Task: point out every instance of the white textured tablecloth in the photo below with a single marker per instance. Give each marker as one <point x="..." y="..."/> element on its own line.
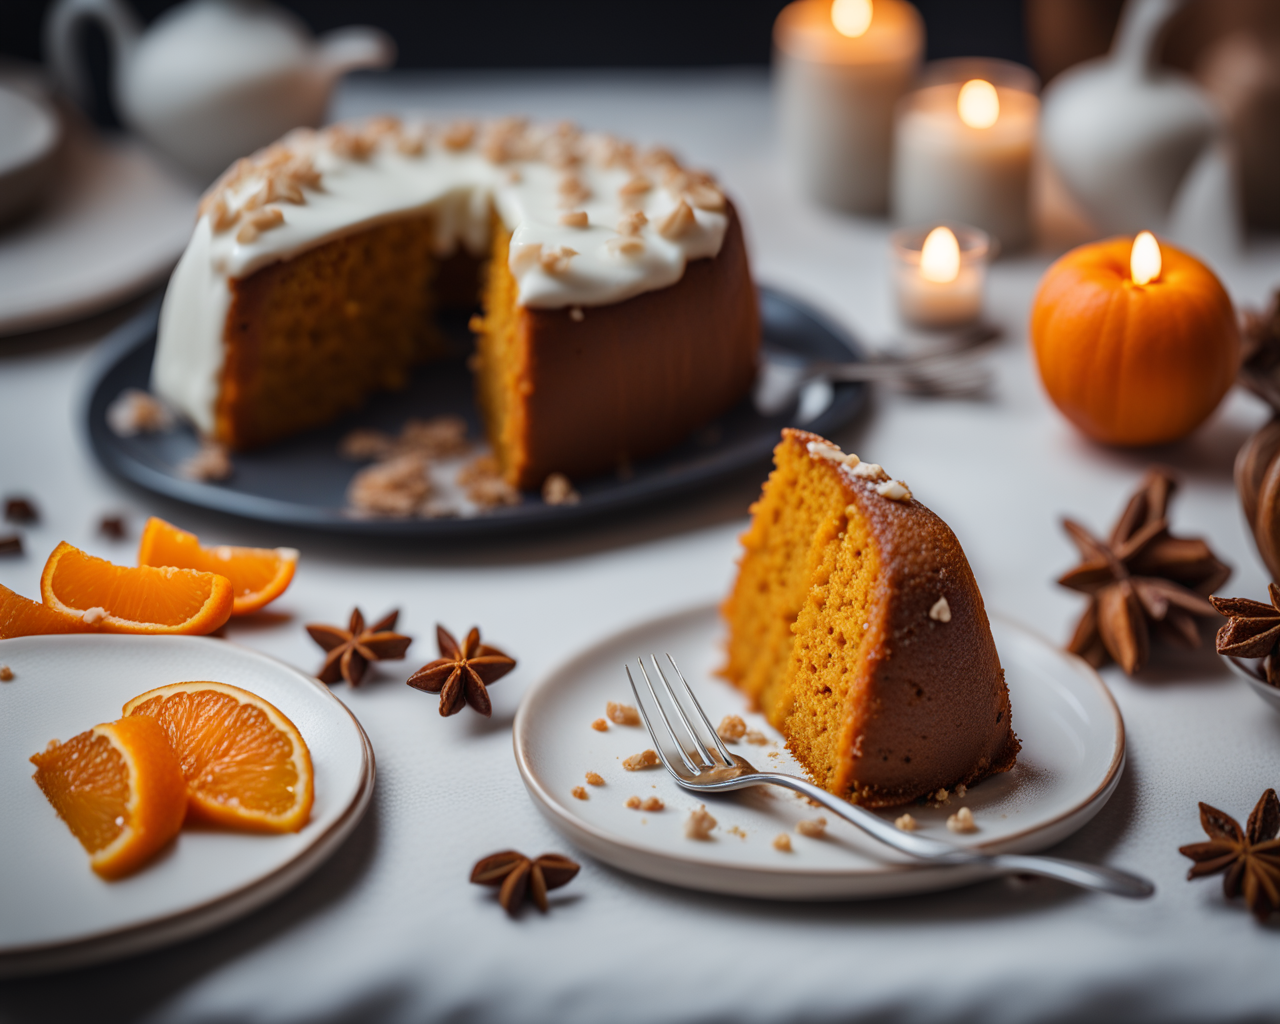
<point x="390" y="930"/>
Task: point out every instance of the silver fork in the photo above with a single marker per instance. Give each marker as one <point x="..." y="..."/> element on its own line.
<point x="710" y="768"/>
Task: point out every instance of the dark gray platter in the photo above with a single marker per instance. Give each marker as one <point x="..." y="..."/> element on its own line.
<point x="302" y="481"/>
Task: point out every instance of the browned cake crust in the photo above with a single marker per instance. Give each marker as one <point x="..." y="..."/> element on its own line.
<point x="631" y="379"/>
<point x="918" y="703"/>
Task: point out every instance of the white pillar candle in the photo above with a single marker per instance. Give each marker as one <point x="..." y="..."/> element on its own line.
<point x="840" y="67"/>
<point x="940" y="274"/>
<point x="963" y="148"/>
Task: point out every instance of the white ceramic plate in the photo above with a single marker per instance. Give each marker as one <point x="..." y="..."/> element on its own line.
<point x="1253" y="672"/>
<point x="1072" y="755"/>
<point x="54" y="911"/>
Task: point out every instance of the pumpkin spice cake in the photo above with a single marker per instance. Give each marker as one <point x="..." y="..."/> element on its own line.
<point x="618" y="312"/>
<point x="856" y="626"/>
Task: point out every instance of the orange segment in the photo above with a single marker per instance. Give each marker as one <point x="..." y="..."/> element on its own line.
<point x="121" y="599"/>
<point x="245" y="763"/>
<point x="258" y="575"/>
<point x="20" y="616"/>
<point x="120" y="790"/>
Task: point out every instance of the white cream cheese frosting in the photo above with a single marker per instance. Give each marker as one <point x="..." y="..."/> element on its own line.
<point x="593" y="221"/>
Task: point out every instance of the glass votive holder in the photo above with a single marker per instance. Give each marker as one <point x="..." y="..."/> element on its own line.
<point x="940" y="274"/>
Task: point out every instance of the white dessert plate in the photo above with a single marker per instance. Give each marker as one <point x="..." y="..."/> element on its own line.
<point x="1254" y="672"/>
<point x="1072" y="756"/>
<point x="55" y="912"/>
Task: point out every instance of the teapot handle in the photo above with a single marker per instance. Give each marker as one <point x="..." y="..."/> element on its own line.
<point x="60" y="31"/>
<point x="356" y="46"/>
<point x="1141" y="22"/>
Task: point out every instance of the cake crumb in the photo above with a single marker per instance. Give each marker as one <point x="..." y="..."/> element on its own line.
<point x="757" y="737"/>
<point x="92" y="616"/>
<point x="772" y="753"/>
<point x="6" y="674"/>
<point x="581" y="793"/>
<point x="112" y="527"/>
<point x="600" y="725"/>
<point x="905" y="823"/>
<point x="652" y="803"/>
<point x="493" y="492"/>
<point x="942" y="796"/>
<point x="135" y="412"/>
<point x="735" y="831"/>
<point x="633" y="802"/>
<point x="11" y="544"/>
<point x="576" y="314"/>
<point x="557" y="490"/>
<point x="397" y="488"/>
<point x="962" y="821"/>
<point x="595" y="779"/>
<point x="211" y="462"/>
<point x="363" y="443"/>
<point x="962" y="790"/>
<point x="622" y="714"/>
<point x="782" y="842"/>
<point x="894" y="490"/>
<point x="644" y="759"/>
<point x="699" y="824"/>
<point x="814" y="828"/>
<point x="21" y="510"/>
<point x="437" y="438"/>
<point x="941" y="611"/>
<point x="731" y="728"/>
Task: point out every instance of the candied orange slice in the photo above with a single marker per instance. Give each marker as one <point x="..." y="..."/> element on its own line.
<point x="245" y="763"/>
<point x="258" y="575"/>
<point x="122" y="599"/>
<point x="20" y="616"/>
<point x="119" y="788"/>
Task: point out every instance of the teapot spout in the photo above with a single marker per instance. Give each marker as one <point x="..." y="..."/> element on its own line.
<point x="351" y="48"/>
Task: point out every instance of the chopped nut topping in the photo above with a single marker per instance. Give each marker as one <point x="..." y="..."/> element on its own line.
<point x="576" y="314"/>
<point x="6" y="674"/>
<point x="632" y="223"/>
<point x="600" y="725"/>
<point x="352" y="145"/>
<point x="644" y="759"/>
<point x="731" y="728"/>
<point x="851" y="460"/>
<point x="962" y="821"/>
<point x="92" y="616"/>
<point x="412" y="143"/>
<point x="652" y="803"/>
<point x="870" y="471"/>
<point x="678" y="221"/>
<point x="258" y="222"/>
<point x="572" y="191"/>
<point x="825" y="451"/>
<point x="557" y="490"/>
<point x="622" y="714"/>
<point x="625" y="246"/>
<point x="814" y="828"/>
<point x="396" y="488"/>
<point x="211" y="462"/>
<point x="905" y="823"/>
<point x="556" y="261"/>
<point x="699" y="824"/>
<point x="221" y="217"/>
<point x="636" y="185"/>
<point x="942" y="796"/>
<point x="705" y="197"/>
<point x="525" y="255"/>
<point x="135" y="411"/>
<point x="574" y="219"/>
<point x="894" y="490"/>
<point x="961" y="790"/>
<point x="459" y="135"/>
<point x="580" y="793"/>
<point x="940" y="612"/>
<point x="782" y="842"/>
<point x="757" y="737"/>
<point x="594" y="779"/>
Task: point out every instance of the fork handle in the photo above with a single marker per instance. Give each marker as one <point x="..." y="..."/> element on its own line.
<point x="938" y="851"/>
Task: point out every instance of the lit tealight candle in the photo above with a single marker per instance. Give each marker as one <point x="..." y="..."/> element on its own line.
<point x="939" y="276"/>
<point x="841" y="66"/>
<point x="963" y="147"/>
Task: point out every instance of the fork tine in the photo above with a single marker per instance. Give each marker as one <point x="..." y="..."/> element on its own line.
<point x="715" y="736"/>
<point x="698" y="742"/>
<point x="653" y="734"/>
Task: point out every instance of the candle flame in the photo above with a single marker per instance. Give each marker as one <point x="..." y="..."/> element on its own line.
<point x="979" y="104"/>
<point x="1144" y="258"/>
<point x="940" y="257"/>
<point x="851" y="17"/>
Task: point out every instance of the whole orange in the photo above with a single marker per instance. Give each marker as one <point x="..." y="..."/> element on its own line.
<point x="1134" y="364"/>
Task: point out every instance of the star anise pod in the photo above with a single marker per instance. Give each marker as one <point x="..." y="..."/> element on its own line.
<point x="1250" y="857"/>
<point x="462" y="672"/>
<point x="1141" y="580"/>
<point x="351" y="649"/>
<point x="518" y="875"/>
<point x="1252" y="630"/>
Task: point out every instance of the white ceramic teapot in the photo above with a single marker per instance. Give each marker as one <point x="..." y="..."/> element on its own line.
<point x="213" y="80"/>
<point x="1132" y="140"/>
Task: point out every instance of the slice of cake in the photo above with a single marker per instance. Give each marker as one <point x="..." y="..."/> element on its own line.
<point x="855" y="624"/>
<point x="618" y="309"/>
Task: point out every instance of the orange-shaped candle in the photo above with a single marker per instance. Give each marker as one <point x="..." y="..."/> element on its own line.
<point x="1136" y="340"/>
